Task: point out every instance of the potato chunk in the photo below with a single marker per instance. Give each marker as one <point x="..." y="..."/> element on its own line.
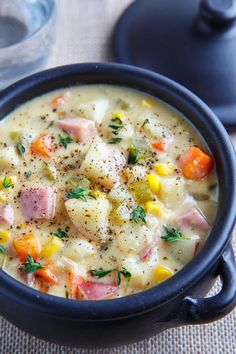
<point x="8" y="157"/>
<point x="172" y="192"/>
<point x="99" y="164"/>
<point x="90" y="218"/>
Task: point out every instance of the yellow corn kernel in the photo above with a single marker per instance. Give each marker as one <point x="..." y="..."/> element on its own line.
<point x="153" y="183"/>
<point x="11" y="180"/>
<point x="119" y="115"/>
<point x="51" y="247"/>
<point x="97" y="193"/>
<point x="154" y="208"/>
<point x="4" y="236"/>
<point x="162" y="273"/>
<point x="3" y="197"/>
<point x="148" y="103"/>
<point x="164" y="169"/>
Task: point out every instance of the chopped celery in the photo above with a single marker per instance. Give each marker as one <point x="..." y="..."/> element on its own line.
<point x="141" y="192"/>
<point x="123" y="104"/>
<point x="50" y="171"/>
<point x="16" y="136"/>
<point x="120" y="213"/>
<point x="76" y="181"/>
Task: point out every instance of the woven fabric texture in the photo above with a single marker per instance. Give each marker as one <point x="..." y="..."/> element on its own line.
<point x="84" y="35"/>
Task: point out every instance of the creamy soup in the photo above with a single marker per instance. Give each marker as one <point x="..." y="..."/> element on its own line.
<point x="104" y="192"/>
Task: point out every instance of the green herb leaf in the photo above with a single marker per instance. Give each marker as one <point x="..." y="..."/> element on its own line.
<point x="67" y="293"/>
<point x="145" y="122"/>
<point x="50" y="124"/>
<point x="2" y="249"/>
<point x="21" y="149"/>
<point x="28" y="174"/>
<point x="100" y="273"/>
<point x="31" y="266"/>
<point x="7" y="183"/>
<point x="80" y="193"/>
<point x="116" y="124"/>
<point x="114" y="140"/>
<point x="138" y="215"/>
<point x="126" y="273"/>
<point x="172" y="234"/>
<point x="118" y="277"/>
<point x="61" y="234"/>
<point x="133" y="156"/>
<point x="65" y="140"/>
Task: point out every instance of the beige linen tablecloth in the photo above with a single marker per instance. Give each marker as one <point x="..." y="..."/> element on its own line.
<point x="84" y="34"/>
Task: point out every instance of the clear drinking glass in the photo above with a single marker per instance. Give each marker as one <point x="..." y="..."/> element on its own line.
<point x="27" y="32"/>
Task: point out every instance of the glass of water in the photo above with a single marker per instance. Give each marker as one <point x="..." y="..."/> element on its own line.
<point x="27" y="32"/>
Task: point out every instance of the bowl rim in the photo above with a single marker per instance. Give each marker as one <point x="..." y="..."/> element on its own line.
<point x="190" y="274"/>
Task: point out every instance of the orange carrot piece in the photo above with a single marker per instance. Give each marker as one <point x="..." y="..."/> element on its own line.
<point x="59" y="100"/>
<point x="48" y="275"/>
<point x="161" y="144"/>
<point x="43" y="146"/>
<point x="73" y="280"/>
<point x="27" y="245"/>
<point x="195" y="164"/>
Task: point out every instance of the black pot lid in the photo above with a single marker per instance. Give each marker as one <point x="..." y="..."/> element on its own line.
<point x="192" y="42"/>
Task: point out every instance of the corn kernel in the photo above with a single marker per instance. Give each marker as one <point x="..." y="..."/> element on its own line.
<point x="153" y="183"/>
<point x="51" y="247"/>
<point x="9" y="180"/>
<point x="4" y="236"/>
<point x="164" y="169"/>
<point x="162" y="273"/>
<point x="97" y="193"/>
<point x="119" y="115"/>
<point x="3" y="197"/>
<point x="154" y="208"/>
<point x="148" y="103"/>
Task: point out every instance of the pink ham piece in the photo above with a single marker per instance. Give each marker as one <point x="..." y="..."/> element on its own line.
<point x="97" y="291"/>
<point x="38" y="203"/>
<point x="7" y="215"/>
<point x="81" y="129"/>
<point x="146" y="253"/>
<point x="193" y="218"/>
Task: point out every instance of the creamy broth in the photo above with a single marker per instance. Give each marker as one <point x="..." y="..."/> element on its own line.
<point x="135" y="192"/>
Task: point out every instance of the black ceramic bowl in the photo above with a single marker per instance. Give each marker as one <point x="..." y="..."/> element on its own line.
<point x="176" y="302"/>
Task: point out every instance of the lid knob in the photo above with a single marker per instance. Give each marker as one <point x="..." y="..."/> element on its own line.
<point x="218" y="12"/>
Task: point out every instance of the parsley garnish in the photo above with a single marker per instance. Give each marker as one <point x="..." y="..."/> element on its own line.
<point x="145" y="122"/>
<point x="21" y="149"/>
<point x="116" y="124"/>
<point x="28" y="174"/>
<point x="114" y="140"/>
<point x="31" y="266"/>
<point x="67" y="293"/>
<point x="7" y="183"/>
<point x="133" y="155"/>
<point x="2" y="249"/>
<point x="61" y="234"/>
<point x="99" y="273"/>
<point x="172" y="234"/>
<point x="50" y="124"/>
<point x="65" y="140"/>
<point x="80" y="193"/>
<point x="138" y="215"/>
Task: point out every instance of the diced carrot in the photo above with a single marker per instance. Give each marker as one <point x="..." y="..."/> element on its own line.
<point x="27" y="245"/>
<point x="43" y="146"/>
<point x="161" y="144"/>
<point x="48" y="275"/>
<point x="195" y="164"/>
<point x="59" y="100"/>
<point x="73" y="280"/>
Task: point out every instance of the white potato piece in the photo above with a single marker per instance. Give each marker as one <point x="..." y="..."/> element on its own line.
<point x="96" y="109"/>
<point x="79" y="250"/>
<point x="119" y="194"/>
<point x="90" y="218"/>
<point x="141" y="272"/>
<point x="8" y="157"/>
<point x="172" y="192"/>
<point x="184" y="250"/>
<point x="99" y="164"/>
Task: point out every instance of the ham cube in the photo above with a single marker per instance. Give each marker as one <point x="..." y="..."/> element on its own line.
<point x="38" y="203"/>
<point x="7" y="215"/>
<point x="81" y="129"/>
<point x="193" y="218"/>
<point x="97" y="291"/>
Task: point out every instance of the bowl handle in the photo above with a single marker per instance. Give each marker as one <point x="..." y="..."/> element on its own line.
<point x="209" y="309"/>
